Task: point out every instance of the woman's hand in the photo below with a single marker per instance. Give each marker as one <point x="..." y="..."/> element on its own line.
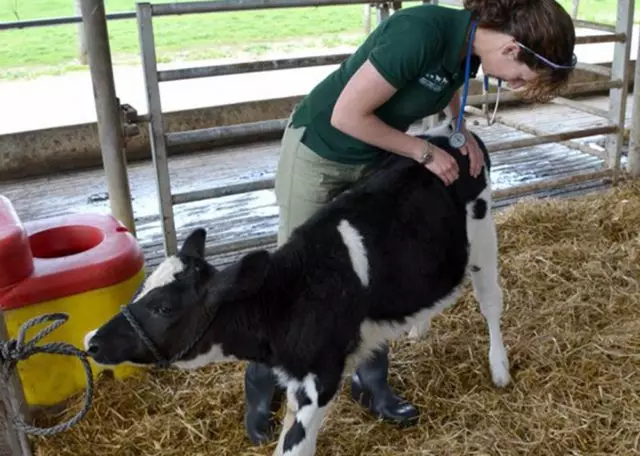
<point x="472" y="149"/>
<point x="442" y="165"/>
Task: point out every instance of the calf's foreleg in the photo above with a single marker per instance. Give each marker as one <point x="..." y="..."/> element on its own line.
<point x="307" y="405"/>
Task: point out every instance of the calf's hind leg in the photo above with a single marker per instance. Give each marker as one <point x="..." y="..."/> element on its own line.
<point x="484" y="276"/>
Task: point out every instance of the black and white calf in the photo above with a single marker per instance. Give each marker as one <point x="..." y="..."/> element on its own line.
<point x="386" y="255"/>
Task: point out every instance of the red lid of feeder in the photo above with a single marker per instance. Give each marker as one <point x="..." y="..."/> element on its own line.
<point x="74" y="254"/>
<point x="15" y="255"/>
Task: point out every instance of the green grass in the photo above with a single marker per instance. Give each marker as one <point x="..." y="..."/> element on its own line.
<point x="53" y="50"/>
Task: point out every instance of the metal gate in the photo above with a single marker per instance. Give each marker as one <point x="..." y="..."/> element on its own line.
<point x="161" y="140"/>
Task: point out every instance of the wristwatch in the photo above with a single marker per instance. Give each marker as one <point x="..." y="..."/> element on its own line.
<point x="427" y="155"/>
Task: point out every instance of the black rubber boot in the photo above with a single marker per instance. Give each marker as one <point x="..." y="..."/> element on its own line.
<point x="263" y="398"/>
<point x="369" y="387"/>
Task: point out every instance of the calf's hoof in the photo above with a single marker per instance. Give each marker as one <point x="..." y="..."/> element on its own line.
<point x="499" y="365"/>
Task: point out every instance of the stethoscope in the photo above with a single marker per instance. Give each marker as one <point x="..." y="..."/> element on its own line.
<point x="457" y="139"/>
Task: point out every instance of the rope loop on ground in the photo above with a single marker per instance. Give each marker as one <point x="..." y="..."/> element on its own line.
<point x="15" y="350"/>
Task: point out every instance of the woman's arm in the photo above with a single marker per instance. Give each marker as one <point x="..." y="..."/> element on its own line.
<point x="354" y="114"/>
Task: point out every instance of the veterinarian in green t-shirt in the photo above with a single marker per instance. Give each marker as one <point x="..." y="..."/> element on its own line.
<point x="411" y="66"/>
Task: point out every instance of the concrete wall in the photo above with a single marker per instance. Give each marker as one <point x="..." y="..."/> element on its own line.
<point x="73" y="147"/>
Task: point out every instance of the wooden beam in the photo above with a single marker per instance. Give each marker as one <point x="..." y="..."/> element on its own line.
<point x="13" y="442"/>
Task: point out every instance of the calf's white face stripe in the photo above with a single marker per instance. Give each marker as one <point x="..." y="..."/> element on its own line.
<point x="353" y="240"/>
<point x="87" y="338"/>
<point x="162" y="275"/>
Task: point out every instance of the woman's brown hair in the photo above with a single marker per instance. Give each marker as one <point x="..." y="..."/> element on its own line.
<point x="544" y="27"/>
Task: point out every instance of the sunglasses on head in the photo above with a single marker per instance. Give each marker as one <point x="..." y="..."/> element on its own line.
<point x="555" y="66"/>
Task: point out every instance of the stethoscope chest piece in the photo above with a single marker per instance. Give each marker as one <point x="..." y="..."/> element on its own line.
<point x="457" y="140"/>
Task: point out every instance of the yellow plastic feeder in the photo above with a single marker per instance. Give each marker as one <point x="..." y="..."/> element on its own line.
<point x="84" y="265"/>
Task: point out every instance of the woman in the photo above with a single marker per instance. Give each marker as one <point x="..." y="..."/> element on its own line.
<point x="411" y="66"/>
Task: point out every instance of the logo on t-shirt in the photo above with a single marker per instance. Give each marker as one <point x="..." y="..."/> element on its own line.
<point x="434" y="81"/>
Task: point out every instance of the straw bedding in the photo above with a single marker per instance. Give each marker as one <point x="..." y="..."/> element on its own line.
<point x="570" y="271"/>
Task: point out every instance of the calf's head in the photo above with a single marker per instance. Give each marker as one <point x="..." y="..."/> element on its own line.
<point x="170" y="320"/>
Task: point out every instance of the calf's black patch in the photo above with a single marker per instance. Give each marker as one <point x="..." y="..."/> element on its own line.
<point x="294" y="436"/>
<point x="479" y="209"/>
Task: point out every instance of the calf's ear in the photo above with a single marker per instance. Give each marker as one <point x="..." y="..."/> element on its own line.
<point x="194" y="243"/>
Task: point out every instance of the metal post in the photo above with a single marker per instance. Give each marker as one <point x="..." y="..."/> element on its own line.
<point x="619" y="71"/>
<point x="383" y="12"/>
<point x="82" y="43"/>
<point x="634" y="135"/>
<point x="156" y="126"/>
<point x="13" y="442"/>
<point x="108" y="111"/>
<point x="574" y="10"/>
<point x="366" y="20"/>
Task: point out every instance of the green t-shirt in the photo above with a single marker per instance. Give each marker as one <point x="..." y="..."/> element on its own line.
<point x="419" y="50"/>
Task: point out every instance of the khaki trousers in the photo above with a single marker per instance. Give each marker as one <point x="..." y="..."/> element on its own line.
<point x="305" y="181"/>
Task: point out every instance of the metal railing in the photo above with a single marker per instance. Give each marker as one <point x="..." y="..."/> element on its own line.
<point x="161" y="140"/>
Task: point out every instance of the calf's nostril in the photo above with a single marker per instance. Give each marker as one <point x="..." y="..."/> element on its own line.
<point x="93" y="349"/>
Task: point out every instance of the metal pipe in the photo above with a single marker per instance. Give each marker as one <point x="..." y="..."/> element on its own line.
<point x="606" y="38"/>
<point x="263" y="240"/>
<point x="294" y="62"/>
<point x="217" y="192"/>
<point x="580" y="106"/>
<point x="265" y="184"/>
<point x="555" y="137"/>
<point x="52" y="21"/>
<point x="534" y="131"/>
<point x="594" y="25"/>
<point x="108" y="111"/>
<point x="12" y="441"/>
<point x="263" y="127"/>
<point x="171" y="9"/>
<point x="250" y="67"/>
<point x="572" y="89"/>
<point x="633" y="162"/>
<point x="46" y="22"/>
<point x="597" y="69"/>
<point x="618" y="96"/>
<point x="582" y="87"/>
<point x="276" y="126"/>
<point x="156" y="126"/>
<point x="161" y="10"/>
<point x="244" y="244"/>
<point x="551" y="184"/>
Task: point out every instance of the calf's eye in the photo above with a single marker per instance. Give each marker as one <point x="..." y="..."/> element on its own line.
<point x="163" y="310"/>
